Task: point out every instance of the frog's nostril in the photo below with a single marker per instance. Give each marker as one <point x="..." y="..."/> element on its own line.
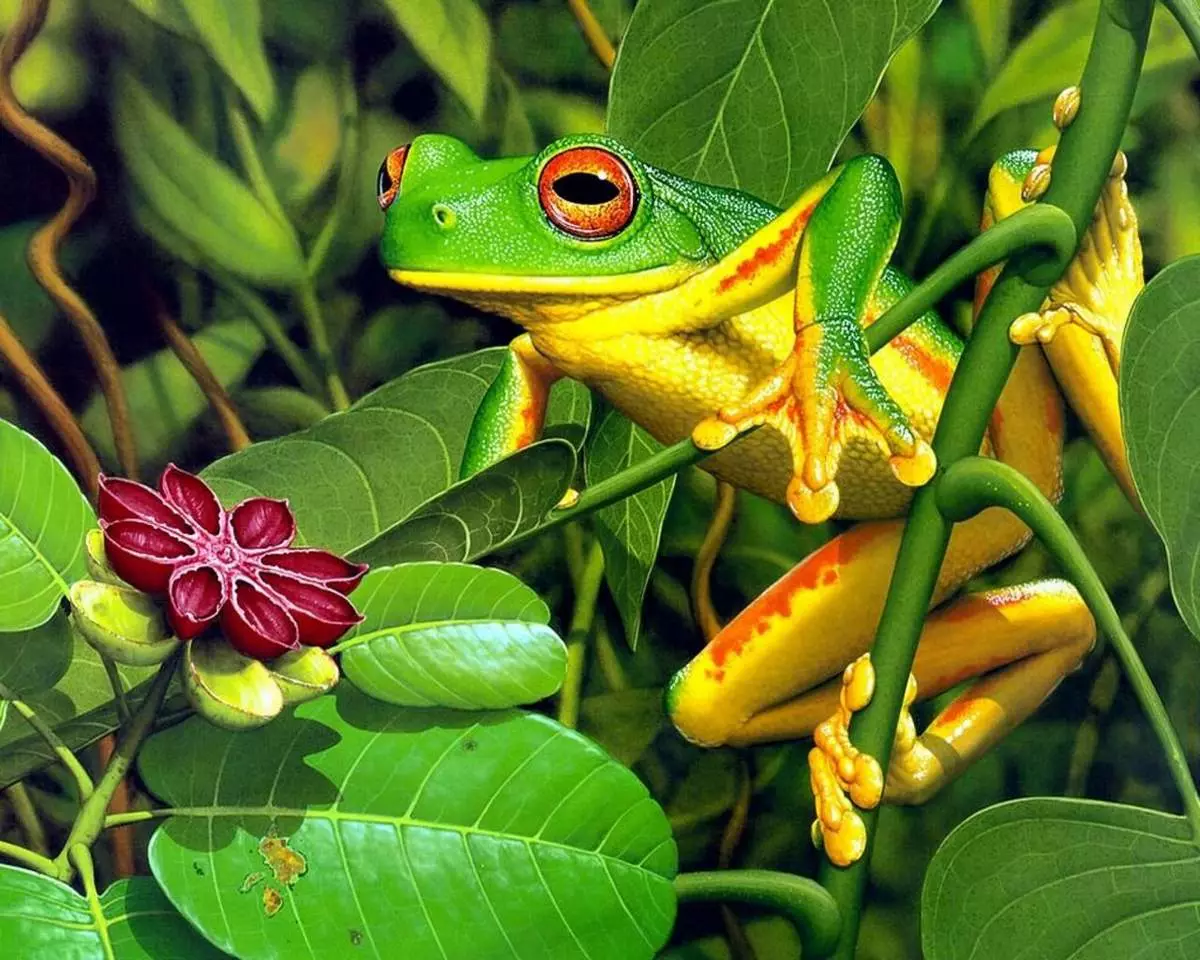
<point x="444" y="216"/>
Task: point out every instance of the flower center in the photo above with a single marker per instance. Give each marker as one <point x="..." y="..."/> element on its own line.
<point x="226" y="553"/>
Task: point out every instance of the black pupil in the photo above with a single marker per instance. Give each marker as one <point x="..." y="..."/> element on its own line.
<point x="586" y="189"/>
<point x="385" y="180"/>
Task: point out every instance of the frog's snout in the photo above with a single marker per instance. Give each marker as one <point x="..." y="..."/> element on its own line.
<point x="443" y="216"/>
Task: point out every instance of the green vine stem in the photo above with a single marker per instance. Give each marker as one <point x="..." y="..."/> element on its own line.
<point x="91" y="819"/>
<point x="971" y="485"/>
<point x="1188" y="15"/>
<point x="318" y="335"/>
<point x="587" y="592"/>
<point x="803" y="901"/>
<point x="81" y="859"/>
<point x="83" y="782"/>
<point x="1081" y="165"/>
<point x="27" y="858"/>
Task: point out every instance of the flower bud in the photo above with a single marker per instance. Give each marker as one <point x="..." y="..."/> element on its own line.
<point x="122" y="623"/>
<point x="227" y="689"/>
<point x="304" y="674"/>
<point x="97" y="560"/>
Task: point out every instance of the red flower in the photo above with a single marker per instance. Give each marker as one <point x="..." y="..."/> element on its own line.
<point x="234" y="565"/>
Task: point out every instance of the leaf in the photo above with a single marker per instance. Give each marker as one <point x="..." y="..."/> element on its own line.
<point x="454" y="38"/>
<point x="460" y="835"/>
<point x="623" y="722"/>
<point x="168" y="14"/>
<point x="308" y="146"/>
<point x="1047" y="878"/>
<point x="164" y="400"/>
<point x="231" y="31"/>
<point x="198" y="197"/>
<point x="629" y="530"/>
<point x="992" y="22"/>
<point x="753" y="94"/>
<point x="451" y="635"/>
<point x="1052" y="55"/>
<point x="44" y="919"/>
<point x="62" y="678"/>
<point x="356" y="474"/>
<point x="23" y="302"/>
<point x="481" y="514"/>
<point x="1160" y="417"/>
<point x="43" y="517"/>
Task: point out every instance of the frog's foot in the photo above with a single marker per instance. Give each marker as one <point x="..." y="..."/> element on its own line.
<point x="843" y="777"/>
<point x="825" y="387"/>
<point x="1030" y="328"/>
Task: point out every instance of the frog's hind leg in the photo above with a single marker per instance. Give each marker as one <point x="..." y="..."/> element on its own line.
<point x="827" y="385"/>
<point x="1017" y="642"/>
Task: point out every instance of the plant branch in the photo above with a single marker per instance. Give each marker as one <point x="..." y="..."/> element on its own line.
<point x="318" y="335"/>
<point x="593" y="33"/>
<point x="81" y="858"/>
<point x="82" y="781"/>
<point x="1188" y="15"/>
<point x="193" y="361"/>
<point x="1081" y="166"/>
<point x="35" y="861"/>
<point x="587" y="592"/>
<point x="806" y="903"/>
<point x="1033" y="226"/>
<point x="42" y="253"/>
<point x="37" y="385"/>
<point x="27" y="817"/>
<point x="974" y="483"/>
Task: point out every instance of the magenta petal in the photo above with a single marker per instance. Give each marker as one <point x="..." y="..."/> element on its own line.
<point x="142" y="554"/>
<point x="122" y="499"/>
<point x="320" y="565"/>
<point x="263" y="524"/>
<point x="256" y="624"/>
<point x="195" y="596"/>
<point x="322" y="615"/>
<point x="192" y="497"/>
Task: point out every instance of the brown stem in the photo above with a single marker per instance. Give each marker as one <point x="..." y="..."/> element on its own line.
<point x="42" y="253"/>
<point x="195" y="364"/>
<point x="593" y="33"/>
<point x="33" y="379"/>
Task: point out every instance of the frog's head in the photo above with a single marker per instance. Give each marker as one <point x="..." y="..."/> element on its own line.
<point x="545" y="238"/>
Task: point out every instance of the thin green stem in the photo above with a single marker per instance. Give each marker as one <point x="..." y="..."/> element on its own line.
<point x="81" y="859"/>
<point x="135" y="816"/>
<point x="27" y="818"/>
<point x="256" y="172"/>
<point x="1188" y="15"/>
<point x="347" y="182"/>
<point x="318" y="335"/>
<point x="974" y="483"/>
<point x="27" y="858"/>
<point x="91" y="818"/>
<point x="587" y="592"/>
<point x="806" y="903"/>
<point x="118" y="688"/>
<point x="1034" y="226"/>
<point x="1081" y="166"/>
<point x="83" y="782"/>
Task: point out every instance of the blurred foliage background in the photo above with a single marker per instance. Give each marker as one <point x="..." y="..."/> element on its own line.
<point x="237" y="186"/>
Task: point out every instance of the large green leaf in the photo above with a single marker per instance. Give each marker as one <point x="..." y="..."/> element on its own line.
<point x="43" y="919"/>
<point x="1160" y="417"/>
<point x="481" y="514"/>
<point x="1048" y="879"/>
<point x="454" y="38"/>
<point x="231" y="31"/>
<point x="165" y="400"/>
<point x="452" y="635"/>
<point x="355" y="475"/>
<point x="428" y="834"/>
<point x="754" y="94"/>
<point x="1052" y="55"/>
<point x="62" y="678"/>
<point x="629" y="530"/>
<point x="199" y="198"/>
<point x="43" y="517"/>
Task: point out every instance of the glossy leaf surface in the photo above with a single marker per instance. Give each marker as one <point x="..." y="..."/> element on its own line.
<point x="231" y="31"/>
<point x="1046" y="878"/>
<point x="1160" y="415"/>
<point x="451" y="635"/>
<point x="351" y="823"/>
<point x="753" y="94"/>
<point x="43" y="517"/>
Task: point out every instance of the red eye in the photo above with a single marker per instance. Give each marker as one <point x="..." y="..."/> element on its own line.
<point x="390" y="172"/>
<point x="588" y="192"/>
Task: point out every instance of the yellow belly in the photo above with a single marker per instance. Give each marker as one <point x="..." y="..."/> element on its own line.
<point x="668" y="383"/>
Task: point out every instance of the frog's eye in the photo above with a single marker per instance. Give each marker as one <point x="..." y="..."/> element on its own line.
<point x="390" y="172"/>
<point x="588" y="192"/>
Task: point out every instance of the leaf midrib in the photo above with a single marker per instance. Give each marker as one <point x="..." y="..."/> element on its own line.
<point x="359" y="639"/>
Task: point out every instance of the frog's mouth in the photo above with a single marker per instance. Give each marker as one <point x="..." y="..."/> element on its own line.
<point x="544" y="299"/>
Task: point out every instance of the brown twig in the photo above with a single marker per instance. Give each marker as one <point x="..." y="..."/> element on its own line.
<point x="42" y="253"/>
<point x="593" y="33"/>
<point x="195" y="364"/>
<point x="33" y="379"/>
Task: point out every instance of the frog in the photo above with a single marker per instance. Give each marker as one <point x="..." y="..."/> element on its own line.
<point x="700" y="311"/>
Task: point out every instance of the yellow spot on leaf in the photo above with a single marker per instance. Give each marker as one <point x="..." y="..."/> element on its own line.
<point x="286" y="864"/>
<point x="250" y="881"/>
<point x="272" y="900"/>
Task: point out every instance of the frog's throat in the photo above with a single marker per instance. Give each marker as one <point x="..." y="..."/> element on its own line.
<point x="534" y="301"/>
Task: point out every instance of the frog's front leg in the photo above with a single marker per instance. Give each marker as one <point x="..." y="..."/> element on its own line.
<point x="828" y="384"/>
<point x="513" y="410"/>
